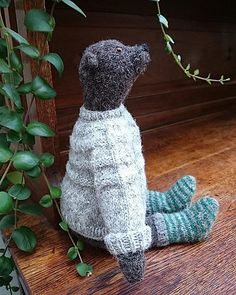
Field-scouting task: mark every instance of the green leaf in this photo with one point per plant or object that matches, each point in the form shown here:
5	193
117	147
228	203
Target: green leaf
168	38
24	238
42	89
34	172
4	68
6	265
39	129
163	20
55	60
29	50
6	203
25	160
5	280
80	245
28	139
55	192
37	20
13	136
64	226
16	62
10	119
5	154
30	209
3	48
188	67
7	221
24	88
196	72
11	92
4	184
74	6
13	78
46	201
84	269
15	288
47	159
5	3
72	253
179	58
16	177
168	47
19	192
3	139
16	36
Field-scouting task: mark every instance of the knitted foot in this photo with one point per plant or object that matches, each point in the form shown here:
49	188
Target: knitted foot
188	226
177	198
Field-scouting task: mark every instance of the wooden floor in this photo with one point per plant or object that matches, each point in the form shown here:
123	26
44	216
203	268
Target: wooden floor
205	149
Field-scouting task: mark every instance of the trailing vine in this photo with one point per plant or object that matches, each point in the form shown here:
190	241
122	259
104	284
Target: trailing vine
169	41
18	160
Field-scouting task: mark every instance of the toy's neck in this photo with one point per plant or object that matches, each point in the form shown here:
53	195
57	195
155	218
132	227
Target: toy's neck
102	104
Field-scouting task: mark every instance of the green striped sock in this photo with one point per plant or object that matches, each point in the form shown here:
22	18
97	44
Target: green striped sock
193	224
177	198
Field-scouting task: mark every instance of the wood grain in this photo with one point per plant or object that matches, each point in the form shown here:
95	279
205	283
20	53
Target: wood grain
206	150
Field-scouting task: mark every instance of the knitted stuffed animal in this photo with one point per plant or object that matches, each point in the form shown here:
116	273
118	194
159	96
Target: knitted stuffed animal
104	194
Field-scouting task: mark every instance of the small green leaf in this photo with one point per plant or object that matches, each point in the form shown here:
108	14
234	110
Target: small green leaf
3	140
187	74
10	119
39	129
3	49
46	201
47	159
16	62
30	209
55	60
179	58
5	280
42	89
4	184
4	68
13	136
84	269
29	50
74	6
5	3
168	38
5	154
11	92
19	192
28	139
196	72
25	160
55	192
168	47
37	20
163	20
16	36
24	238
15	177
72	253
13	78
6	265
24	88
80	245
188	67
64	226
7	221
6	203
34	172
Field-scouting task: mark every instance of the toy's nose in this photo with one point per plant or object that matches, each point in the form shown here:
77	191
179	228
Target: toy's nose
145	47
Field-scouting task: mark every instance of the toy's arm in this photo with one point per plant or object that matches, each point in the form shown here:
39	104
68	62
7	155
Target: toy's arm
120	198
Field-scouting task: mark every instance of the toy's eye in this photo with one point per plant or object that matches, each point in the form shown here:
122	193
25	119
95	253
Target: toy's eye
119	49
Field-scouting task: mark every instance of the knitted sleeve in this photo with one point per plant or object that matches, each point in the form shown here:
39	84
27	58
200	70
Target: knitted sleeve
120	196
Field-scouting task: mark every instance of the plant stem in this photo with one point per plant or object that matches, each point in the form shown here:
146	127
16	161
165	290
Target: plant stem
9	165
175	56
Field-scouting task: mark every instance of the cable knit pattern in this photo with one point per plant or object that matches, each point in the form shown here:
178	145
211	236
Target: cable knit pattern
104	189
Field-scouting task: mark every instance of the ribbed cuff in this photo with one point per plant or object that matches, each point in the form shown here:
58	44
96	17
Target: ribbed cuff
131	241
160	236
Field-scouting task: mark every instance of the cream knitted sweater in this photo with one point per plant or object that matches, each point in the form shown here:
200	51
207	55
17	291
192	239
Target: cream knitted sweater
104	188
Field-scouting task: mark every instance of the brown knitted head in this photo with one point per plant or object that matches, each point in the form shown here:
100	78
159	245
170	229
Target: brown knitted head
108	70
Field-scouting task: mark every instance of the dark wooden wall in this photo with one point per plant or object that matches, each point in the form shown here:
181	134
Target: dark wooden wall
204	32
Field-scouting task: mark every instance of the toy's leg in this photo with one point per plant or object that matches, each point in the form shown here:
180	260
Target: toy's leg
177	198
188	226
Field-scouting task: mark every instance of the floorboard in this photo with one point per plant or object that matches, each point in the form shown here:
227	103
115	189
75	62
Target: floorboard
206	150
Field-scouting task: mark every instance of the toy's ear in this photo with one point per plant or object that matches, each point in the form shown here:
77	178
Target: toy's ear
91	60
